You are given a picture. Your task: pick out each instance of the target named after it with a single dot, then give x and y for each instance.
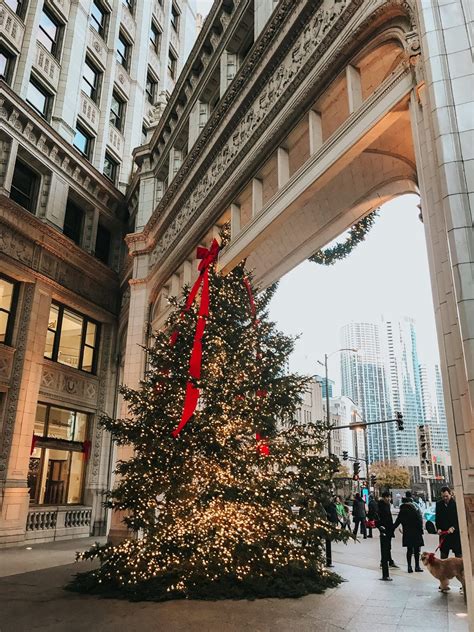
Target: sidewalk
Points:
(35, 600)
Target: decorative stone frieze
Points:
(63, 384)
(116, 141)
(11, 27)
(6, 363)
(46, 66)
(97, 47)
(89, 112)
(123, 79)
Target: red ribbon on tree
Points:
(207, 256)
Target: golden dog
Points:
(444, 570)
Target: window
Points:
(110, 169)
(39, 98)
(102, 244)
(59, 451)
(172, 64)
(49, 32)
(144, 134)
(6, 64)
(91, 79)
(123, 51)
(25, 184)
(151, 87)
(73, 222)
(17, 6)
(155, 37)
(130, 4)
(174, 17)
(83, 141)
(71, 339)
(8, 300)
(98, 18)
(117, 111)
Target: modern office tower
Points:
(322, 381)
(403, 377)
(82, 84)
(439, 428)
(364, 381)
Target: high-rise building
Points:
(81, 85)
(364, 380)
(322, 381)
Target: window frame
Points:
(90, 139)
(172, 64)
(57, 339)
(20, 8)
(44, 91)
(124, 60)
(57, 41)
(104, 227)
(11, 314)
(175, 15)
(116, 166)
(44, 442)
(155, 41)
(9, 64)
(70, 202)
(130, 4)
(120, 116)
(94, 89)
(34, 189)
(153, 81)
(102, 28)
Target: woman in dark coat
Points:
(359, 515)
(412, 523)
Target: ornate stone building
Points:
(83, 83)
(292, 120)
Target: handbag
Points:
(370, 524)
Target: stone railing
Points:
(11, 26)
(47, 66)
(58, 523)
(116, 141)
(89, 112)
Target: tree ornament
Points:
(358, 232)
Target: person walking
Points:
(411, 521)
(359, 515)
(341, 512)
(385, 526)
(447, 520)
(331, 516)
(371, 514)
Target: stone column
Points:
(134, 365)
(8, 159)
(20, 411)
(443, 122)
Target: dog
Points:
(444, 570)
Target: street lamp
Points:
(328, 416)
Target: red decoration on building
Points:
(86, 450)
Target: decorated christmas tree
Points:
(219, 460)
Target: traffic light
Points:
(399, 421)
(356, 470)
(373, 479)
(345, 455)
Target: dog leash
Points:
(441, 540)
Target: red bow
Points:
(207, 256)
(262, 445)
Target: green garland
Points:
(357, 233)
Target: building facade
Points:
(82, 84)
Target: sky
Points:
(203, 6)
(386, 274)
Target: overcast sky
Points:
(386, 274)
(203, 6)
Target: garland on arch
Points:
(357, 233)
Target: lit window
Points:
(83, 141)
(155, 37)
(57, 462)
(71, 339)
(110, 168)
(8, 299)
(25, 184)
(91, 80)
(39, 98)
(151, 88)
(73, 222)
(98, 18)
(49, 32)
(117, 111)
(6, 64)
(123, 51)
(102, 244)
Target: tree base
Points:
(288, 583)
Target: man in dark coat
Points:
(331, 516)
(412, 523)
(385, 526)
(447, 520)
(359, 515)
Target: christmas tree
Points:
(208, 493)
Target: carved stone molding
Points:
(63, 384)
(15, 379)
(6, 363)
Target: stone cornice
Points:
(18, 119)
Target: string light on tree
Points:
(212, 502)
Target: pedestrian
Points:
(371, 515)
(341, 512)
(359, 515)
(385, 526)
(331, 516)
(447, 520)
(411, 521)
